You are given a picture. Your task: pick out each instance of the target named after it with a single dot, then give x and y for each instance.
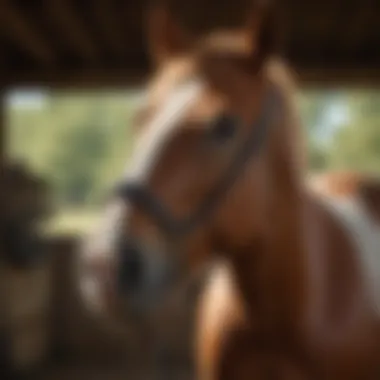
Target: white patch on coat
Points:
(365, 233)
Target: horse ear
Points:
(262, 29)
(165, 37)
(370, 193)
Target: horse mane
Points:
(283, 79)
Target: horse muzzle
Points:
(144, 275)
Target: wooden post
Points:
(5, 343)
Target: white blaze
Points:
(161, 129)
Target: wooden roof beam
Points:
(15, 26)
(138, 73)
(73, 29)
(110, 25)
(338, 33)
(133, 26)
(80, 79)
(358, 24)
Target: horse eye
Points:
(224, 127)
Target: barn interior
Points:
(67, 44)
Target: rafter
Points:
(137, 74)
(339, 77)
(72, 28)
(96, 78)
(109, 22)
(345, 10)
(17, 28)
(359, 24)
(134, 24)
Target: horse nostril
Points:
(131, 268)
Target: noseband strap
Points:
(141, 198)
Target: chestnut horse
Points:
(219, 167)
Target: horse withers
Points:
(218, 172)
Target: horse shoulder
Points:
(350, 327)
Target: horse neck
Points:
(272, 275)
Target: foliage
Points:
(357, 145)
(80, 142)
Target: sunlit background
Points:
(79, 142)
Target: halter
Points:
(144, 200)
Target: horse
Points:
(218, 173)
(353, 193)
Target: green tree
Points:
(77, 164)
(357, 145)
